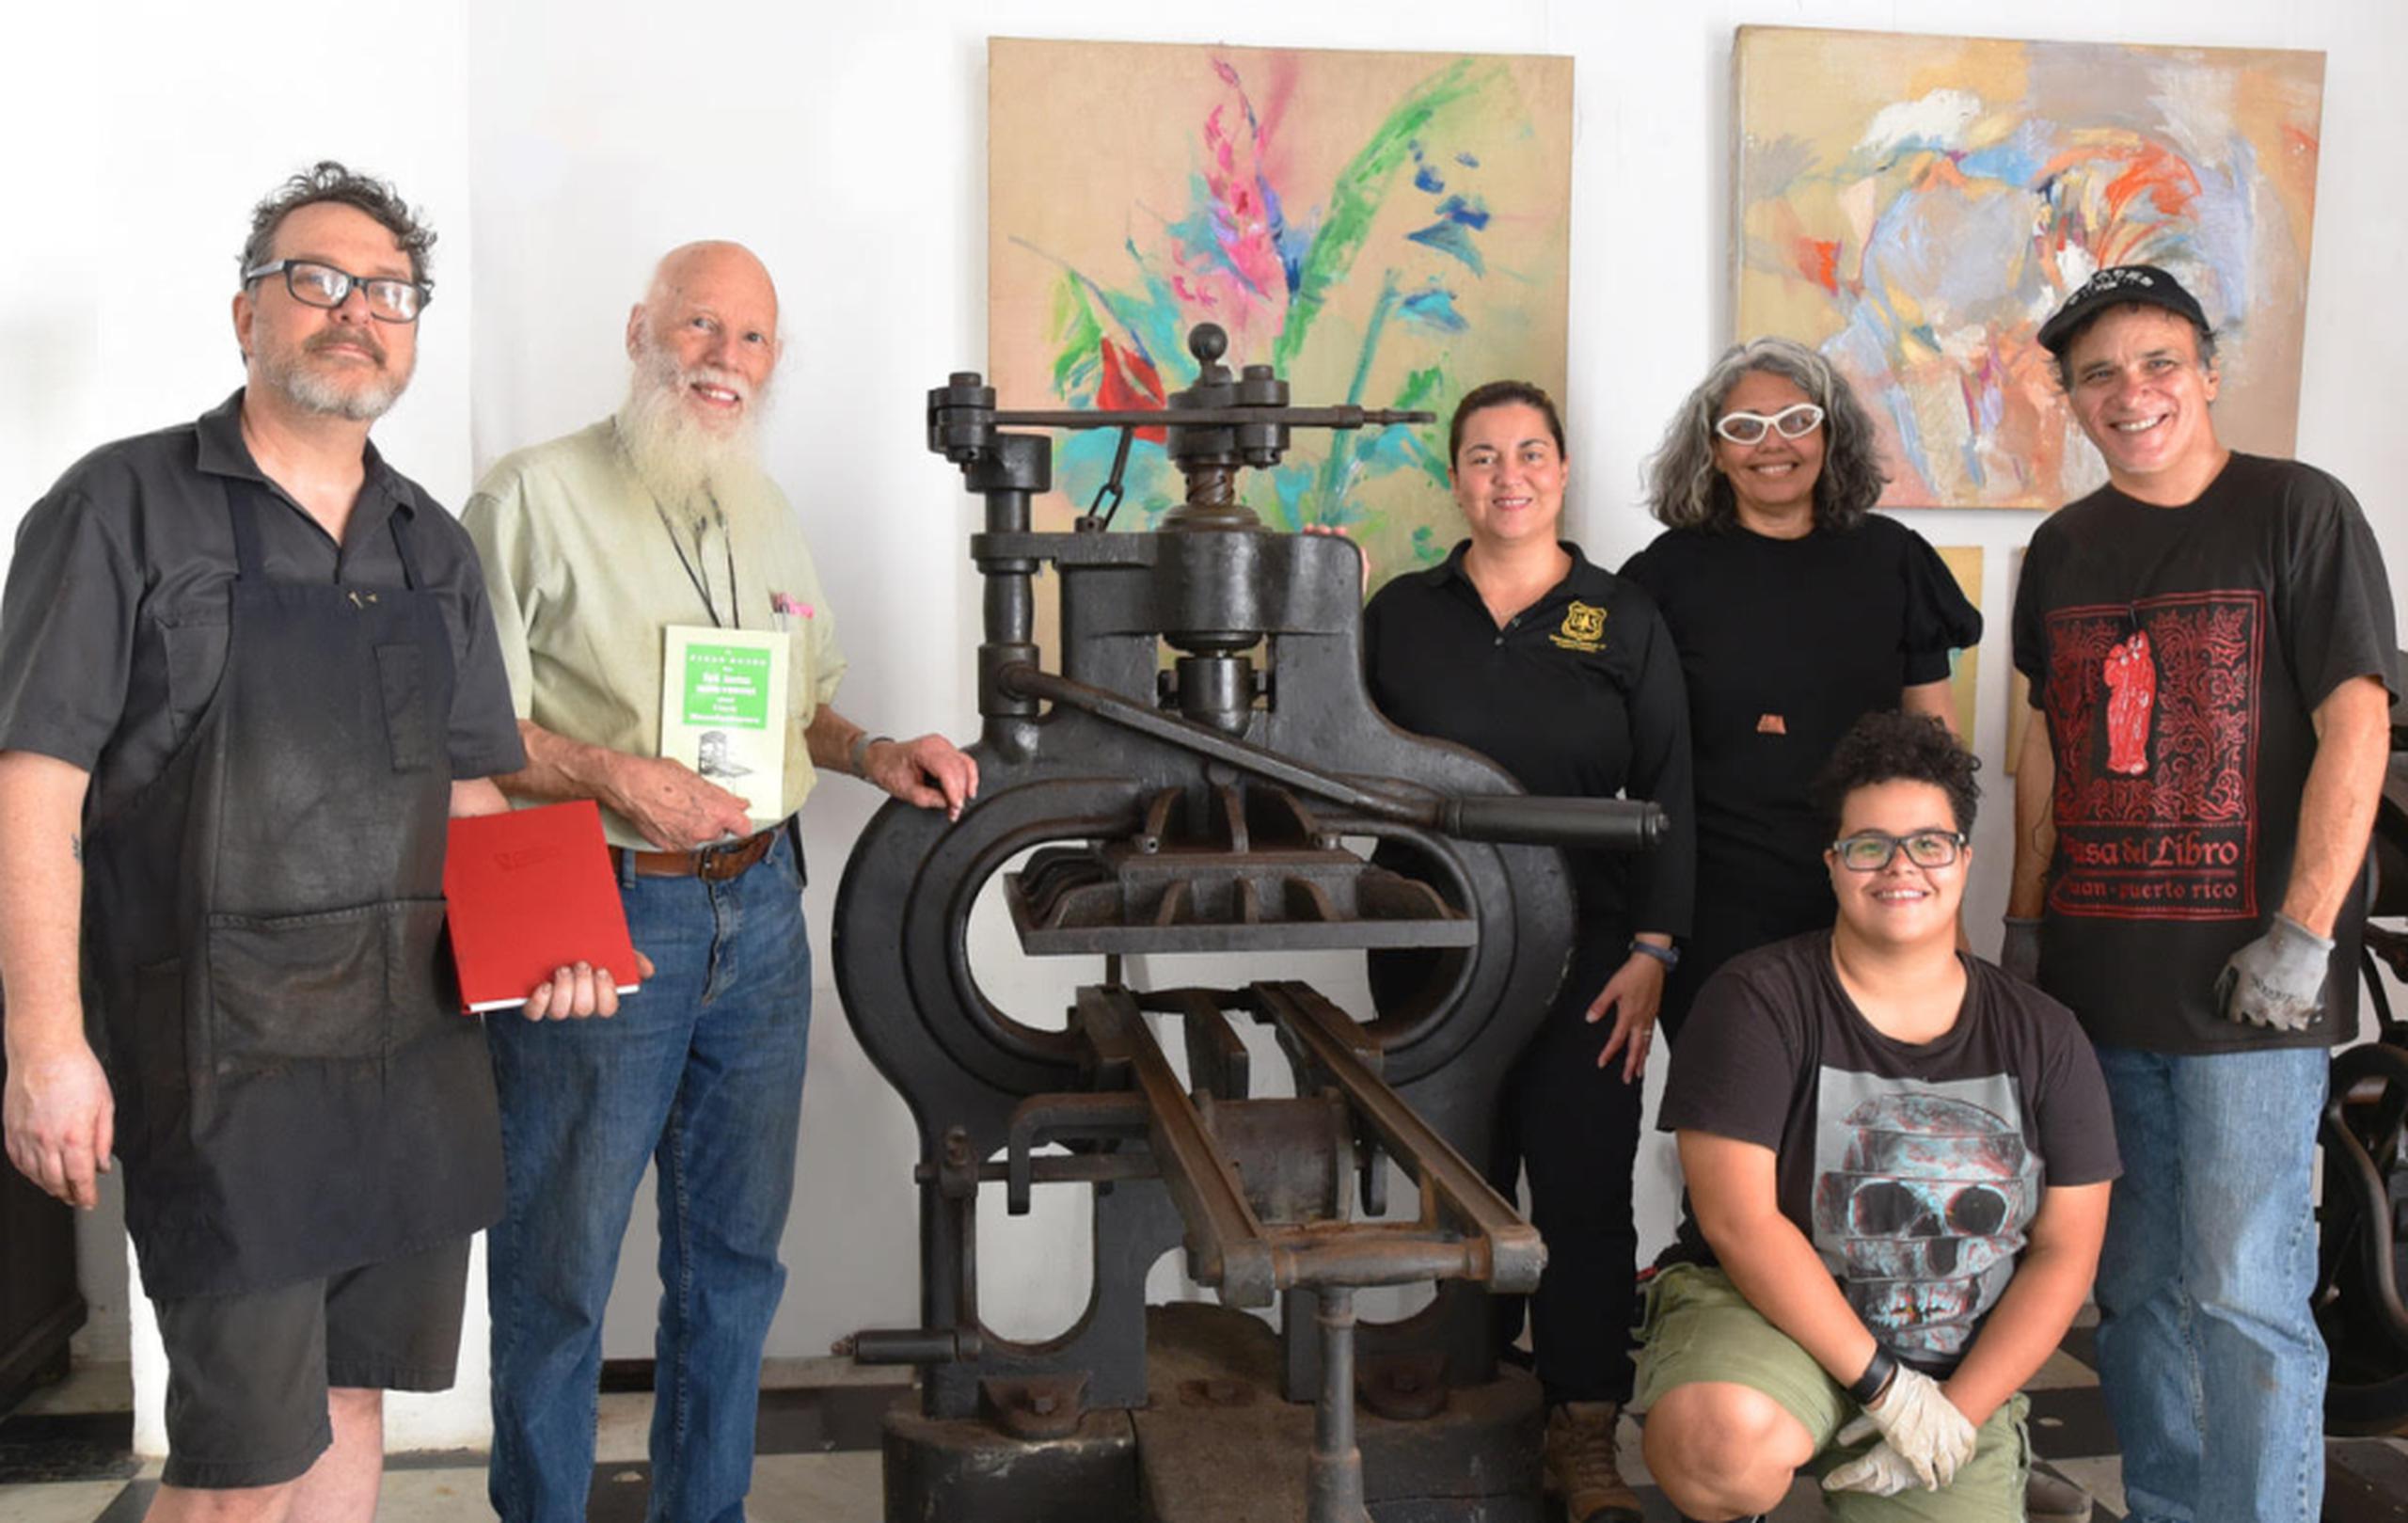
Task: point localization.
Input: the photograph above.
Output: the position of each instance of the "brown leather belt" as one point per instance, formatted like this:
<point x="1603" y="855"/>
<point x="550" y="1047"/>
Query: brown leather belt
<point x="712" y="863"/>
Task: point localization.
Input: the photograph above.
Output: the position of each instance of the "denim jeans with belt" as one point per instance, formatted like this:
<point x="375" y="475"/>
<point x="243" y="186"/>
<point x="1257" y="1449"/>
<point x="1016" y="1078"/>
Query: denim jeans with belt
<point x="701" y="1072"/>
<point x="2210" y="1359"/>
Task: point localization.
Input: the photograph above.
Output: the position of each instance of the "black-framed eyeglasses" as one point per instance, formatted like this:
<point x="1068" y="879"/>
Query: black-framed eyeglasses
<point x="315" y="284"/>
<point x="1869" y="852"/>
<point x="1793" y="421"/>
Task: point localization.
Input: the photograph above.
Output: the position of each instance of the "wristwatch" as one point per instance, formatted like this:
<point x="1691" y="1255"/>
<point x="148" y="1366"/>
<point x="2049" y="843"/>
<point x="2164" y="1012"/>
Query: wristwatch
<point x="858" y="758"/>
<point x="1668" y="956"/>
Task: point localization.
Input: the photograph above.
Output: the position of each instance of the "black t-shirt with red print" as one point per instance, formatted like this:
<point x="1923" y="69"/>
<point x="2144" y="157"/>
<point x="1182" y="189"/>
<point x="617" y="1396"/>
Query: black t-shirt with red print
<point x="2178" y="656"/>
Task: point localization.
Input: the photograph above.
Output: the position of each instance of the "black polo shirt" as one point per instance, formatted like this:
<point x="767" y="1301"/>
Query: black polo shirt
<point x="113" y="622"/>
<point x="1577" y="695"/>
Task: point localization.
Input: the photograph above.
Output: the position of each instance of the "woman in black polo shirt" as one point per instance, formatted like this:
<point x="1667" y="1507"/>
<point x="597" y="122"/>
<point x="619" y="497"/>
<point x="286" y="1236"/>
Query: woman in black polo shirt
<point x="1796" y="612"/>
<point x="1564" y="674"/>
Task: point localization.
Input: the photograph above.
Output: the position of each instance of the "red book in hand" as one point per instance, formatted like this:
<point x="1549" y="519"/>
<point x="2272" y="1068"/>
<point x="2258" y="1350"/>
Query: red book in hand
<point x="532" y="891"/>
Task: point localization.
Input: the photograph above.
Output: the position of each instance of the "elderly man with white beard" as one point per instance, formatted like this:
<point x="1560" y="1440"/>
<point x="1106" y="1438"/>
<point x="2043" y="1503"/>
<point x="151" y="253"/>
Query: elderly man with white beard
<point x="596" y="547"/>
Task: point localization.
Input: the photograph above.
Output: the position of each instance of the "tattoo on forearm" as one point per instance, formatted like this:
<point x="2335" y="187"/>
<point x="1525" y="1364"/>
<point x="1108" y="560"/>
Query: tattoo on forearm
<point x="75" y="844"/>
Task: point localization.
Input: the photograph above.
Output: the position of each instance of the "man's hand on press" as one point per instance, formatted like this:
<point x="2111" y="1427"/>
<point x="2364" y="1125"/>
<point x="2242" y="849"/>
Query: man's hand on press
<point x="930" y="771"/>
<point x="675" y="807"/>
<point x="2278" y="980"/>
<point x="1919" y="1425"/>
<point x="581" y="990"/>
<point x="60" y="1120"/>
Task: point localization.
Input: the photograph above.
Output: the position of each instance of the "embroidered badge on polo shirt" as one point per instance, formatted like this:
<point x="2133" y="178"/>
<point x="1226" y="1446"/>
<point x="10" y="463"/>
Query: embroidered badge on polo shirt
<point x="1583" y="629"/>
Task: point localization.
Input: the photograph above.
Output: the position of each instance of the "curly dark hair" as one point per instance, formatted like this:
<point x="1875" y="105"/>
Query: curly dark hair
<point x="1504" y="394"/>
<point x="1685" y="491"/>
<point x="327" y="181"/>
<point x="1890" y="746"/>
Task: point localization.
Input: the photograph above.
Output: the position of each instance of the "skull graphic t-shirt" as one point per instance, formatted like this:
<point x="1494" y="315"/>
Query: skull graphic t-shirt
<point x="1915" y="1168"/>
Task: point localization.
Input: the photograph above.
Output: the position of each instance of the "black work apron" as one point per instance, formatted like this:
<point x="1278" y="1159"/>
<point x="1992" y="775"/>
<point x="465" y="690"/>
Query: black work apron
<point x="297" y="1093"/>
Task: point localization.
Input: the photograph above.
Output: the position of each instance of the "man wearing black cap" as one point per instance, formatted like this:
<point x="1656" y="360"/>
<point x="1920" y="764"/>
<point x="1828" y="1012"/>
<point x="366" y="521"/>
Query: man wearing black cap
<point x="2209" y="638"/>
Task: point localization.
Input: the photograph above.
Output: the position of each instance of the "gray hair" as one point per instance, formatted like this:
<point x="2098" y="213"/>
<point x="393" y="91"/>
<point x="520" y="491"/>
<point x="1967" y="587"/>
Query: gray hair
<point x="327" y="181"/>
<point x="1684" y="491"/>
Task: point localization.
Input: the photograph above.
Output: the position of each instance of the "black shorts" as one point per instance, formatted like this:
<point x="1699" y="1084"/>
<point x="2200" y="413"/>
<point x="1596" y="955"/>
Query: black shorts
<point x="248" y="1374"/>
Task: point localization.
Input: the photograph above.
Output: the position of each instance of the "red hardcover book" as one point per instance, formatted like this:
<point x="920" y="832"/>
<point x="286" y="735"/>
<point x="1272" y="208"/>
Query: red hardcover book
<point x="532" y="891"/>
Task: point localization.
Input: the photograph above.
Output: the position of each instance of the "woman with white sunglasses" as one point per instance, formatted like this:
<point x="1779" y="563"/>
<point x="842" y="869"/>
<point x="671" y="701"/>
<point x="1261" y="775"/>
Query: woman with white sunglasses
<point x="1795" y="611"/>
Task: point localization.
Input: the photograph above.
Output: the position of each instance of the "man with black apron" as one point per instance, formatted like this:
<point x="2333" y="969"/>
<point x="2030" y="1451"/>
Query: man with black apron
<point x="247" y="671"/>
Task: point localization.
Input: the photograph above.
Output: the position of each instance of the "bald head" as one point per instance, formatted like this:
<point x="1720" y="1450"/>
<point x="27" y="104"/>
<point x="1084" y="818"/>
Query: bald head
<point x="709" y="326"/>
<point x="711" y="263"/>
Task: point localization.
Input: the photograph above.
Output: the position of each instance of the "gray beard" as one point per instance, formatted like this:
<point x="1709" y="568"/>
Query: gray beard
<point x="313" y="392"/>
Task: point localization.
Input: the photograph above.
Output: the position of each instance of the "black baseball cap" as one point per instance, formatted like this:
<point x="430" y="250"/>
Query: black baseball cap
<point x="2115" y="286"/>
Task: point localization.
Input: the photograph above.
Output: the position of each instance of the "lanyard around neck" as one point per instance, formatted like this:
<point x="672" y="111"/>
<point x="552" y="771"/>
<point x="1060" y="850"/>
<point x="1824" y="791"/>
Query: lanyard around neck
<point x="701" y="588"/>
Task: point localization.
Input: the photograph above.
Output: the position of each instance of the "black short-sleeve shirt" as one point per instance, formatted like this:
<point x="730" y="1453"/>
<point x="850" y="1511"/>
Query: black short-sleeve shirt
<point x="2178" y="656"/>
<point x="1784" y="644"/>
<point x="113" y="622"/>
<point x="1577" y="696"/>
<point x="1915" y="1168"/>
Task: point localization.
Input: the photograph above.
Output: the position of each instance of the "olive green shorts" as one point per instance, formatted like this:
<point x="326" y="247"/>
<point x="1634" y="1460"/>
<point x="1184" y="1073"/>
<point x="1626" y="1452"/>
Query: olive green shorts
<point x="1698" y="1327"/>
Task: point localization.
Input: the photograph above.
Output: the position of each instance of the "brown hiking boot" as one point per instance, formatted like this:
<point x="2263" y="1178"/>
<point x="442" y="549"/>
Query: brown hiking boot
<point x="1580" y="1464"/>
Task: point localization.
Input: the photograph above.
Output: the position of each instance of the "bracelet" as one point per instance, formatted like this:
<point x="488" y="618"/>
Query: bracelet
<point x="1668" y="956"/>
<point x="859" y="757"/>
<point x="1878" y="1372"/>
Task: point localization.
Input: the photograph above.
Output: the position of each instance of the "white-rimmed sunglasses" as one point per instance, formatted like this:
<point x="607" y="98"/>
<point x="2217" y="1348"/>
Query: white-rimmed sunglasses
<point x="1792" y="422"/>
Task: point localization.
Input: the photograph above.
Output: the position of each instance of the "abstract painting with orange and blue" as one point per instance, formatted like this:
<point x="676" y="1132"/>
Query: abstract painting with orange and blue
<point x="1385" y="230"/>
<point x="1917" y="206"/>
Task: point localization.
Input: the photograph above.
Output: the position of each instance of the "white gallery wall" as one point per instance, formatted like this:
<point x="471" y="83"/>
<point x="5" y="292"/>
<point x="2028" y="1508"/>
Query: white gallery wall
<point x="560" y="147"/>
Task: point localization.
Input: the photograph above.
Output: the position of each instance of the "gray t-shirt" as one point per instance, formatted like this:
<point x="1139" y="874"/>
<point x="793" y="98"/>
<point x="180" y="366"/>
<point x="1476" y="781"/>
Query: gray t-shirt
<point x="1915" y="1168"/>
<point x="113" y="622"/>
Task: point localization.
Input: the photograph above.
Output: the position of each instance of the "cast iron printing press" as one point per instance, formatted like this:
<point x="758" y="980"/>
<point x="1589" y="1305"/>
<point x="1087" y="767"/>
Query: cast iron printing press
<point x="1208" y="808"/>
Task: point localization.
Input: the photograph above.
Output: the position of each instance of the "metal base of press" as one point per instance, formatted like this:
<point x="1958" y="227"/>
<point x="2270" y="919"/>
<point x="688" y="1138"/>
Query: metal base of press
<point x="1216" y="1444"/>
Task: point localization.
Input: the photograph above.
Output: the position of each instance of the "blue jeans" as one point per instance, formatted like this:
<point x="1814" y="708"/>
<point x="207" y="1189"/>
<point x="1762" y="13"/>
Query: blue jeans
<point x="701" y="1072"/>
<point x="2211" y="1365"/>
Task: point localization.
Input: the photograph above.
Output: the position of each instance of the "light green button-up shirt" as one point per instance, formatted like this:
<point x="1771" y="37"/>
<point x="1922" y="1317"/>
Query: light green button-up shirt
<point x="586" y="580"/>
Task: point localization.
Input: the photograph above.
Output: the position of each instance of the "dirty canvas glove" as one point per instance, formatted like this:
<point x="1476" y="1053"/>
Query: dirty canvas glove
<point x="1877" y="1472"/>
<point x="1918" y="1422"/>
<point x="2278" y="980"/>
<point x="2019" y="951"/>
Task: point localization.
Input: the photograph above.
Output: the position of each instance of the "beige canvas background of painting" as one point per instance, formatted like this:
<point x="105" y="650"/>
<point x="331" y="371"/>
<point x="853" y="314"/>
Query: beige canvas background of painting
<point x="2019" y="687"/>
<point x="1388" y="228"/>
<point x="1917" y="205"/>
<point x="1964" y="563"/>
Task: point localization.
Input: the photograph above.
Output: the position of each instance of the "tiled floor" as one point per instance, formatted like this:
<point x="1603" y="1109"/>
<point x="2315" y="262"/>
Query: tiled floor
<point x="61" y="1462"/>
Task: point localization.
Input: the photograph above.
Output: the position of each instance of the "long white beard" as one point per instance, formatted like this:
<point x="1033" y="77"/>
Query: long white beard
<point x="684" y="464"/>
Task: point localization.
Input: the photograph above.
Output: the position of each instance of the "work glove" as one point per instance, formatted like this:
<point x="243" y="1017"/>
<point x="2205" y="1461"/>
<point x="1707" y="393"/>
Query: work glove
<point x="1877" y="1472"/>
<point x="1921" y="1427"/>
<point x="2278" y="980"/>
<point x="2019" y="951"/>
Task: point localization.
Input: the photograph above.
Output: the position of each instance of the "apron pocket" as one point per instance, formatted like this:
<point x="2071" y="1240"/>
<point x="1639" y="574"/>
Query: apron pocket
<point x="401" y="670"/>
<point x="287" y="988"/>
<point x="420" y="988"/>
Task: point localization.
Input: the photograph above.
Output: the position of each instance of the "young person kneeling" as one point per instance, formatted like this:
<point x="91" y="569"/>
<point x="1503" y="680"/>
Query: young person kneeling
<point x="1899" y="1160"/>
